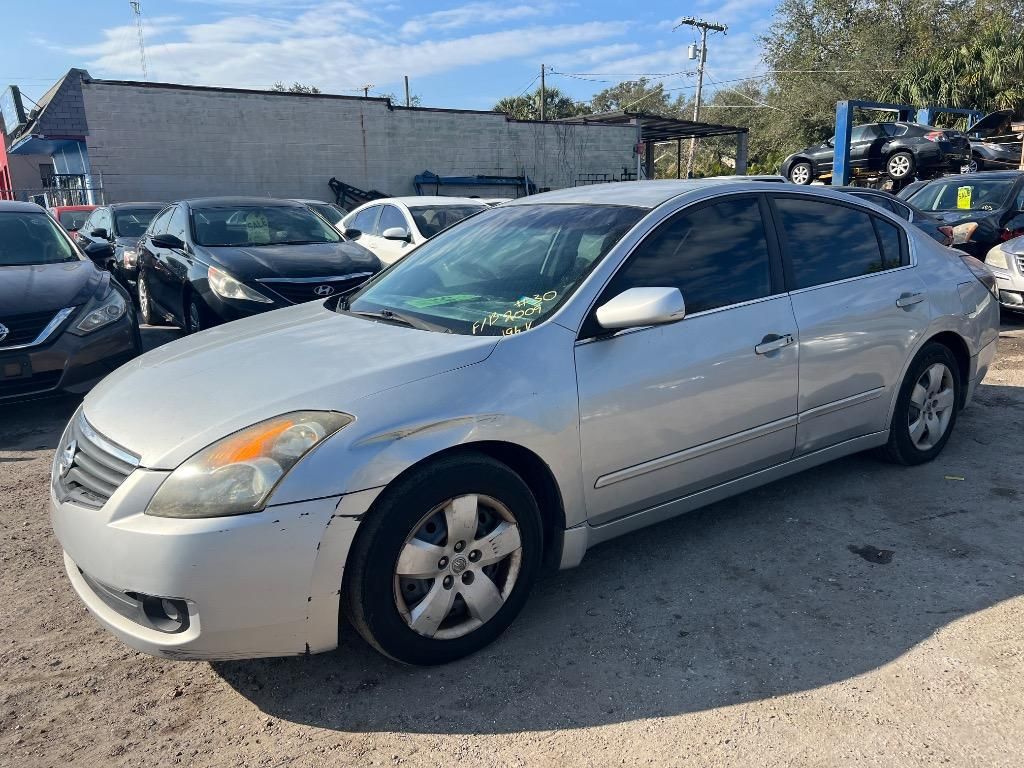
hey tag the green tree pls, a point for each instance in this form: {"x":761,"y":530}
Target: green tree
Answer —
{"x":294,"y":88}
{"x":527,"y":106}
{"x":636,"y":96}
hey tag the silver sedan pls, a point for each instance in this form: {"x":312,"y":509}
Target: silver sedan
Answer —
{"x":537,"y":379}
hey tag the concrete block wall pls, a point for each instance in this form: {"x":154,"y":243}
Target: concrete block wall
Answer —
{"x":167,"y":143}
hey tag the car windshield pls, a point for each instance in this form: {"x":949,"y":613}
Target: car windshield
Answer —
{"x":431,"y":219}
{"x":501,"y":272}
{"x":132,"y":222}
{"x":332,"y":213}
{"x":256,"y":225}
{"x":973,"y":195}
{"x":73,"y":220}
{"x":32,"y":238}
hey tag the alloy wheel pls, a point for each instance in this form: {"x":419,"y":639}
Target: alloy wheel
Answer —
{"x":931,"y":406}
{"x":144,"y":307}
{"x":971,"y":167}
{"x":458,"y":566}
{"x":800,"y":174}
{"x":899,"y":166}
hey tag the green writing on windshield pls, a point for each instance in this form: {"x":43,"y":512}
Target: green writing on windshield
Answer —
{"x":436,"y":301}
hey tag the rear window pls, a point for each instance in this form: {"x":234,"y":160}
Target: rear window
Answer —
{"x":32,"y":238}
{"x":431,"y":219}
{"x":73,"y":220}
{"x":962,"y":194}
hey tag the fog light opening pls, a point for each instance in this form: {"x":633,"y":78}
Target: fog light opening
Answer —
{"x":1011,"y":298}
{"x":164,"y":614}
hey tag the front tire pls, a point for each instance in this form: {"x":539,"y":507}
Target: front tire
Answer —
{"x":196,"y":317}
{"x":801,"y":173}
{"x":926,"y":408}
{"x":444,"y":561}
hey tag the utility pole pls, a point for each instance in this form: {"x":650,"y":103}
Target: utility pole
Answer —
{"x":543,"y":93}
{"x":366,"y":90}
{"x":703,"y":26}
{"x":137,"y":13}
{"x":407,"y":100}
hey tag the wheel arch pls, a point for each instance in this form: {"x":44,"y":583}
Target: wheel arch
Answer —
{"x":956,"y":344}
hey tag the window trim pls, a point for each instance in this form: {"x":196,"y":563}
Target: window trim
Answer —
{"x":775,"y":272}
{"x":907,"y":258}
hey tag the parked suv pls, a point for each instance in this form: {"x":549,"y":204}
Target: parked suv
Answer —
{"x":899,"y":150}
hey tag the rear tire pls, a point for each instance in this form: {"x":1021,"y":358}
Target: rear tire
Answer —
{"x":146,"y":313}
{"x":900,"y":166}
{"x":926,"y":407}
{"x":426,"y":582}
{"x":801,"y":173}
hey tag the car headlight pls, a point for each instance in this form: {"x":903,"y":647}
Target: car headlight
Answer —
{"x":996,"y":257}
{"x":131,"y":257}
{"x":962,"y":232}
{"x":225,"y":286}
{"x":110,"y":309}
{"x":236,"y":475}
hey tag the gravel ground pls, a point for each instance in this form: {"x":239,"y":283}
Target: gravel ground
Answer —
{"x":858,"y":614}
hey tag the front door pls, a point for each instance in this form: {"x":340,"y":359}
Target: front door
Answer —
{"x":390,"y":251}
{"x":669,"y":410}
{"x":861,"y":309}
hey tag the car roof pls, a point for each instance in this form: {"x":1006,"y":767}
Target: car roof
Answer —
{"x":157,"y":206}
{"x":980,"y":176}
{"x":8,"y":206}
{"x":644,"y":194}
{"x":309,"y":201}
{"x":73,"y":207}
{"x":430,"y":200}
{"x":226,"y":202}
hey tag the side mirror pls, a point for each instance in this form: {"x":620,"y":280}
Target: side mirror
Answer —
{"x":171,"y":242}
{"x":100,"y":232}
{"x":642,"y":306}
{"x":828,"y":143}
{"x":352,"y":234}
{"x":396,"y":233}
{"x":99,"y":251}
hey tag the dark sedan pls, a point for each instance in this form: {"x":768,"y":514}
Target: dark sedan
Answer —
{"x":110,"y":237}
{"x":983,"y":209}
{"x":208,"y":261}
{"x":899,"y":150}
{"x":64,"y":322}
{"x":926,"y":222}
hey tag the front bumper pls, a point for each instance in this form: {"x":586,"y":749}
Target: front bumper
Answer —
{"x":1010,"y":282}
{"x":69,"y":363}
{"x":263,"y":584}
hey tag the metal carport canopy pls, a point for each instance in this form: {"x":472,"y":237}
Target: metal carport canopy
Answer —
{"x":654,"y":129}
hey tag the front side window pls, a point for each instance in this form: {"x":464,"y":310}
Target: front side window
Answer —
{"x":502,"y":272}
{"x":827,"y":242}
{"x":715,"y":255}
{"x":178,"y":225}
{"x":32,"y":238}
{"x":431,"y":219}
{"x":366,"y":220}
{"x":391,"y":217}
{"x":132,"y":222}
{"x":159,"y":225}
{"x":259,"y":225}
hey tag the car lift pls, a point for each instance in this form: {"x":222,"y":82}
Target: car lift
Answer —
{"x":907,"y":113}
{"x":521,"y":185}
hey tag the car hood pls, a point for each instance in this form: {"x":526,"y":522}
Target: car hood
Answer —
{"x":994,"y":122}
{"x":177,"y":399}
{"x":40,"y":287}
{"x":313,"y":260}
{"x":955,"y":217}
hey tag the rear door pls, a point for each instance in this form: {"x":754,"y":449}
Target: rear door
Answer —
{"x":668,"y":410}
{"x":866,"y":146}
{"x":860,"y":307}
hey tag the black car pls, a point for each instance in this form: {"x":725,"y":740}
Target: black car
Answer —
{"x":207,"y":261}
{"x":110,"y":237}
{"x":983,"y":209}
{"x":926,"y":222}
{"x":64,"y":322}
{"x":899,"y":150}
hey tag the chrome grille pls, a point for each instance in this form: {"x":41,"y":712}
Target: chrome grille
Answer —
{"x":1020,"y":262}
{"x":90,"y":467}
{"x":298,"y":290}
{"x":31,"y":328}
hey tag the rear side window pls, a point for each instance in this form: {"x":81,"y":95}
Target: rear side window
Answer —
{"x":716,"y":255}
{"x":827,"y":242}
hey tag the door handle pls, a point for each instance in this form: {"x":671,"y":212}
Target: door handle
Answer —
{"x":772,"y":342}
{"x":909,"y":299}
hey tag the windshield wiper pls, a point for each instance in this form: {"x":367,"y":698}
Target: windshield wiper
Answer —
{"x":390,"y":316}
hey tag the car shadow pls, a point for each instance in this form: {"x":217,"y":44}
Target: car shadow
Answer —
{"x":806,"y":582}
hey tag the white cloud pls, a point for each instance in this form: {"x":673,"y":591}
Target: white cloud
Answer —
{"x":477,"y":14}
{"x":337,"y":46}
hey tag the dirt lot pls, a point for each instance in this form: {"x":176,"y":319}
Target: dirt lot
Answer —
{"x":858,"y":614}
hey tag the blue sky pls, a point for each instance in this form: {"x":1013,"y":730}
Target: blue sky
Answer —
{"x":457,"y":54}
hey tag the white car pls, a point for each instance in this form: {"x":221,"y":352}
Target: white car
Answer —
{"x":393,"y":226}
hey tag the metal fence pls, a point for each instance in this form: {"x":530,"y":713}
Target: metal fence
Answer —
{"x":49,"y":197}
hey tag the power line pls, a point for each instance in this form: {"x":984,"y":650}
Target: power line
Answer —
{"x":704,"y":27}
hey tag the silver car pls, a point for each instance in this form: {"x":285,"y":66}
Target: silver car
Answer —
{"x":539,"y":378}
{"x":1006,"y":260}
